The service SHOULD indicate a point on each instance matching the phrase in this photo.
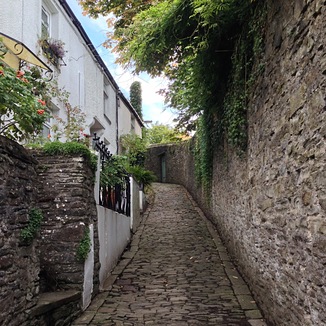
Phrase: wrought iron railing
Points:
(118, 196)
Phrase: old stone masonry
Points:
(177, 272)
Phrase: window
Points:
(107, 99)
(106, 104)
(45, 19)
(132, 127)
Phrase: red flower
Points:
(49, 136)
(20, 74)
(41, 101)
(25, 80)
(40, 112)
(1, 73)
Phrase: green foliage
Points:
(34, 223)
(142, 176)
(134, 148)
(70, 148)
(22, 109)
(207, 49)
(162, 134)
(84, 246)
(136, 98)
(114, 171)
(204, 149)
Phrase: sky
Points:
(153, 105)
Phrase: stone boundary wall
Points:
(69, 207)
(62, 187)
(270, 205)
(19, 264)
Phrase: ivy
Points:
(207, 49)
(204, 149)
(34, 223)
(225, 118)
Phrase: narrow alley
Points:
(176, 272)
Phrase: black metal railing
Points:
(118, 196)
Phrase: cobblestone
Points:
(177, 273)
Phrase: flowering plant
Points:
(53, 49)
(22, 112)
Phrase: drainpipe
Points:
(117, 120)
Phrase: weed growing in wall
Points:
(34, 223)
(84, 246)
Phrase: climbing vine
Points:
(227, 120)
(207, 49)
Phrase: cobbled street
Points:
(177, 272)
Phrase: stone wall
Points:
(68, 201)
(19, 264)
(62, 187)
(269, 205)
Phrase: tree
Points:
(162, 134)
(136, 98)
(189, 41)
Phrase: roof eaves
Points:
(88, 42)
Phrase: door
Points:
(163, 169)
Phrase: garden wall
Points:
(270, 205)
(62, 187)
(19, 264)
(69, 206)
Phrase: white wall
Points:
(125, 115)
(114, 235)
(134, 205)
(89, 272)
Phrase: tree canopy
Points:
(162, 134)
(206, 48)
(188, 41)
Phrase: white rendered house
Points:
(81, 72)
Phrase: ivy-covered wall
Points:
(269, 203)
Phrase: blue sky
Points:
(154, 108)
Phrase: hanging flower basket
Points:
(53, 50)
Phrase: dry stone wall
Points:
(269, 205)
